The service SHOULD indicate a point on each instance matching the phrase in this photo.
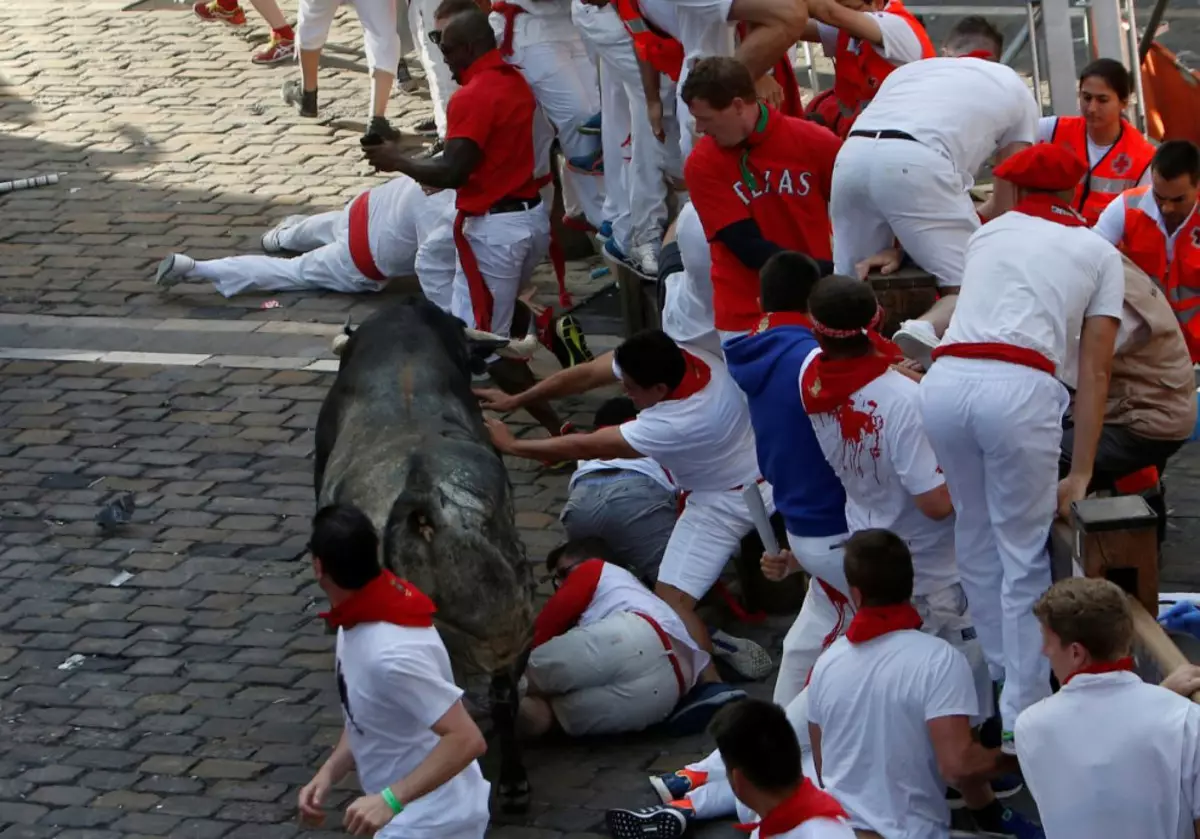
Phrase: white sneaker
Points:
(173, 270)
(270, 239)
(917, 340)
(646, 256)
(749, 659)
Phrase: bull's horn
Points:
(339, 343)
(514, 348)
(346, 330)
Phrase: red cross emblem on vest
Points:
(1121, 163)
(1196, 237)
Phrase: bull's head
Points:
(340, 341)
(480, 345)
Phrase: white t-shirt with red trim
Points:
(879, 450)
(705, 440)
(1030, 283)
(596, 589)
(900, 44)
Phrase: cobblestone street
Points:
(170, 678)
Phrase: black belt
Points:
(885, 135)
(514, 205)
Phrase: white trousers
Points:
(996, 429)
(708, 532)
(324, 263)
(437, 74)
(381, 41)
(885, 189)
(565, 83)
(507, 246)
(821, 621)
(610, 676)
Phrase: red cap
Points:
(1046, 167)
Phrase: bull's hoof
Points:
(515, 798)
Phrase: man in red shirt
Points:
(760, 182)
(496, 158)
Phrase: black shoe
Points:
(656, 822)
(437, 148)
(304, 101)
(568, 343)
(402, 73)
(381, 128)
(426, 126)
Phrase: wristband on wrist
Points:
(393, 802)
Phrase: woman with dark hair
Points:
(1117, 154)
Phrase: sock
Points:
(990, 818)
(228, 5)
(285, 33)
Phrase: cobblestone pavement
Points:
(170, 678)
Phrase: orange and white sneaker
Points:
(277, 51)
(674, 787)
(223, 12)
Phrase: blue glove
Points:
(1184, 616)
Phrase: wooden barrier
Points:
(1117, 539)
(904, 295)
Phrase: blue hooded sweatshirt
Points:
(766, 367)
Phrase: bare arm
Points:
(459, 743)
(1004, 194)
(574, 380)
(959, 758)
(340, 761)
(776, 25)
(861, 25)
(605, 444)
(652, 88)
(450, 171)
(935, 504)
(814, 736)
(1095, 368)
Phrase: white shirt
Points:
(687, 314)
(702, 27)
(600, 25)
(872, 702)
(1095, 152)
(705, 441)
(1111, 756)
(880, 452)
(398, 684)
(543, 20)
(641, 465)
(1111, 224)
(396, 212)
(963, 108)
(1029, 282)
(815, 829)
(900, 44)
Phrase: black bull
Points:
(401, 437)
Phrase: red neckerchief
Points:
(872, 621)
(984, 54)
(828, 384)
(807, 802)
(386, 599)
(770, 320)
(1098, 667)
(490, 60)
(1048, 206)
(695, 377)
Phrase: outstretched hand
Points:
(502, 438)
(887, 261)
(493, 399)
(385, 156)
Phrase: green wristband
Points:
(392, 801)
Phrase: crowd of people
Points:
(932, 664)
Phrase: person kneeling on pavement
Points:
(609, 656)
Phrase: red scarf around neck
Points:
(386, 599)
(696, 376)
(807, 802)
(827, 384)
(770, 320)
(872, 621)
(1048, 206)
(1097, 667)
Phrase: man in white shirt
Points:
(889, 709)
(685, 271)
(1040, 305)
(694, 422)
(1108, 755)
(407, 734)
(632, 504)
(905, 171)
(391, 230)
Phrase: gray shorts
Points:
(633, 513)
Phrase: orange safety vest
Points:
(1146, 245)
(860, 68)
(656, 48)
(1119, 170)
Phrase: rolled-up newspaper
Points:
(762, 521)
(28, 183)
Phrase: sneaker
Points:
(677, 784)
(656, 822)
(173, 270)
(1008, 744)
(214, 11)
(746, 657)
(917, 340)
(270, 239)
(589, 164)
(592, 126)
(381, 128)
(646, 256)
(403, 74)
(604, 231)
(612, 253)
(426, 127)
(1013, 823)
(304, 101)
(568, 343)
(434, 150)
(694, 712)
(277, 51)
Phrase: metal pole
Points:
(1136, 69)
(814, 80)
(1018, 42)
(1033, 53)
(1156, 18)
(1108, 40)
(1060, 57)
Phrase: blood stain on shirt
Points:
(861, 432)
